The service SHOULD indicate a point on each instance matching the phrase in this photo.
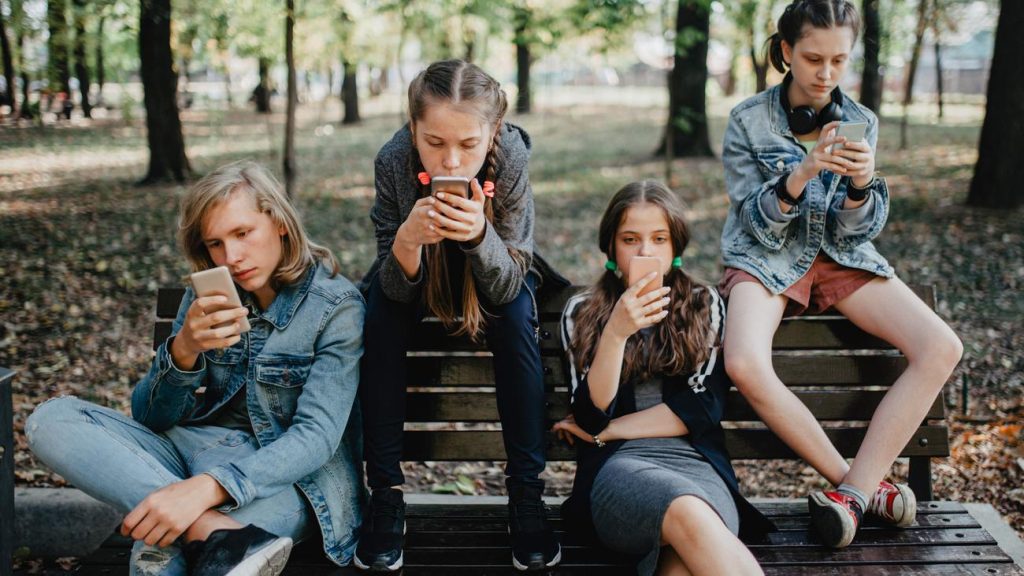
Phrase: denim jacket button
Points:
(780, 164)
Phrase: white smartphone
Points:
(852, 131)
(457, 185)
(217, 282)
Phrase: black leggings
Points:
(512, 337)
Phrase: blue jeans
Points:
(511, 332)
(118, 461)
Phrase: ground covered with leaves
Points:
(83, 250)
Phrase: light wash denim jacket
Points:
(301, 364)
(778, 248)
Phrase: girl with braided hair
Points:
(471, 262)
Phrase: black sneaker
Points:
(380, 536)
(534, 546)
(248, 551)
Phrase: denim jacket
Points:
(778, 248)
(299, 366)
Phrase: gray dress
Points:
(634, 488)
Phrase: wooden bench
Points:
(840, 372)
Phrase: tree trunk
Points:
(523, 60)
(289, 125)
(687, 125)
(57, 46)
(261, 95)
(938, 69)
(81, 66)
(999, 171)
(349, 92)
(167, 160)
(871, 79)
(24, 111)
(101, 75)
(915, 58)
(9, 74)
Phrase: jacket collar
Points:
(285, 303)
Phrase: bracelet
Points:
(783, 193)
(598, 442)
(853, 192)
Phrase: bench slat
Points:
(482, 406)
(475, 371)
(447, 445)
(168, 299)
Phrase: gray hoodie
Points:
(499, 276)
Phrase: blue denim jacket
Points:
(299, 366)
(778, 248)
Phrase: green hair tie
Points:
(611, 266)
(677, 262)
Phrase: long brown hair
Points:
(465, 84)
(817, 13)
(681, 341)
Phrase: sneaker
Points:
(894, 503)
(835, 517)
(534, 546)
(248, 551)
(380, 536)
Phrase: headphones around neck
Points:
(803, 119)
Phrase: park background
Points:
(115, 106)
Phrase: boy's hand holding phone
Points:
(215, 319)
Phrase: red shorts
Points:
(826, 283)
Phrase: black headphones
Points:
(803, 119)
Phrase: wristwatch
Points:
(598, 442)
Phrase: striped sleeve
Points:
(717, 327)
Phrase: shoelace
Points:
(880, 503)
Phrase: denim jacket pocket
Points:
(281, 377)
(775, 161)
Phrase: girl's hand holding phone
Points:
(460, 219)
(633, 313)
(419, 228)
(821, 156)
(859, 159)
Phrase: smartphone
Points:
(457, 185)
(217, 281)
(640, 266)
(853, 131)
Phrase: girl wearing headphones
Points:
(805, 205)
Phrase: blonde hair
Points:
(298, 252)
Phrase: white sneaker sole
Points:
(267, 561)
(523, 568)
(390, 568)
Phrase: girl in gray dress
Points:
(648, 389)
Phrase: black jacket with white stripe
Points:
(697, 399)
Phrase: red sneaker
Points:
(835, 517)
(894, 504)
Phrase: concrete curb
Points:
(56, 522)
(994, 524)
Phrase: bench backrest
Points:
(840, 372)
